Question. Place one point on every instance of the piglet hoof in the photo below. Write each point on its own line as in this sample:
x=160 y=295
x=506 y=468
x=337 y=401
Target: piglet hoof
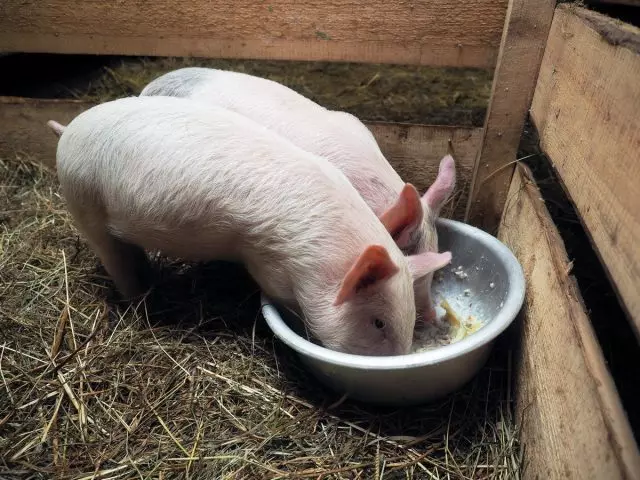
x=142 y=281
x=137 y=287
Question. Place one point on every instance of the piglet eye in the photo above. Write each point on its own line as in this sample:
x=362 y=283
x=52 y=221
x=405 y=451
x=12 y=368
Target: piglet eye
x=379 y=323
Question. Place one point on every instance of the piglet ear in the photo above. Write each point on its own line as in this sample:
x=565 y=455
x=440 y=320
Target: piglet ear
x=403 y=217
x=426 y=263
x=442 y=188
x=373 y=265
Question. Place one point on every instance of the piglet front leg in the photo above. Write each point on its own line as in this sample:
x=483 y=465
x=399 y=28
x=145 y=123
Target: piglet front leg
x=127 y=264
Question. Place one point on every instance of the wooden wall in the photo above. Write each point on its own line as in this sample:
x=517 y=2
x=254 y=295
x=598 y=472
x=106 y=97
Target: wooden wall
x=414 y=150
x=572 y=423
x=587 y=110
x=431 y=32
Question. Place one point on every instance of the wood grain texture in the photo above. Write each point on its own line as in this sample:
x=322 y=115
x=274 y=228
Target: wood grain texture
x=573 y=425
x=414 y=150
x=587 y=111
x=526 y=27
x=23 y=123
x=428 y=32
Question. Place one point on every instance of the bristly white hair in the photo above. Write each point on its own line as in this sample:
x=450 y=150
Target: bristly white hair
x=338 y=137
x=205 y=183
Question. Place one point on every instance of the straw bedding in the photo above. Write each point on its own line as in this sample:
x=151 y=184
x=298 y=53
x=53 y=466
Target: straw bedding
x=189 y=382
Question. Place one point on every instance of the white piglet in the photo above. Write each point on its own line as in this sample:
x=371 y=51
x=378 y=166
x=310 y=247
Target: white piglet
x=341 y=139
x=205 y=183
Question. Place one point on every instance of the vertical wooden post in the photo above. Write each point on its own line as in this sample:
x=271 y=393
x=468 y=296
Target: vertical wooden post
x=524 y=37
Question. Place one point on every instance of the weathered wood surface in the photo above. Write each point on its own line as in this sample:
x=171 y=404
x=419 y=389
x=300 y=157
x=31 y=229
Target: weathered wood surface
x=526 y=27
x=431 y=32
x=414 y=150
x=587 y=111
x=23 y=123
x=573 y=425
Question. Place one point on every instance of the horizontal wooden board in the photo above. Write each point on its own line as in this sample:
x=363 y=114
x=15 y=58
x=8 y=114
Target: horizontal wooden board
x=431 y=32
x=414 y=150
x=573 y=425
x=586 y=108
x=23 y=122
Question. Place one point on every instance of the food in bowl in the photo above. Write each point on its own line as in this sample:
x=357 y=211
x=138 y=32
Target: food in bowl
x=449 y=326
x=446 y=329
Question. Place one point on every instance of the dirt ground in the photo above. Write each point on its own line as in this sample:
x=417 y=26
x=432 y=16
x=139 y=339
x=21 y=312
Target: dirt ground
x=369 y=91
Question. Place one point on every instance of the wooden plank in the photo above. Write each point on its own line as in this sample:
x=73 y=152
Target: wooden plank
x=573 y=424
x=23 y=122
x=526 y=27
x=586 y=108
x=414 y=150
x=431 y=32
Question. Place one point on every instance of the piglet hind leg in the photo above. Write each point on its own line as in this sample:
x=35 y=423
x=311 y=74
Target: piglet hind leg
x=127 y=264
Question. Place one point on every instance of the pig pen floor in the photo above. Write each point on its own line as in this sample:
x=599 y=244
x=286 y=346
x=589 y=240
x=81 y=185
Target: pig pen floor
x=190 y=383
x=392 y=93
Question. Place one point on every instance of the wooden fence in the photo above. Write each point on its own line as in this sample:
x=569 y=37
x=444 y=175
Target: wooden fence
x=578 y=72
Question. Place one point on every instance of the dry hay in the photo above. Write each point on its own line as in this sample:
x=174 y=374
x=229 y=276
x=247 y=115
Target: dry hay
x=375 y=92
x=190 y=383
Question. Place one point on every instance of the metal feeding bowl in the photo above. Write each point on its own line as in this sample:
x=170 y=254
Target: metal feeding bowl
x=484 y=280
